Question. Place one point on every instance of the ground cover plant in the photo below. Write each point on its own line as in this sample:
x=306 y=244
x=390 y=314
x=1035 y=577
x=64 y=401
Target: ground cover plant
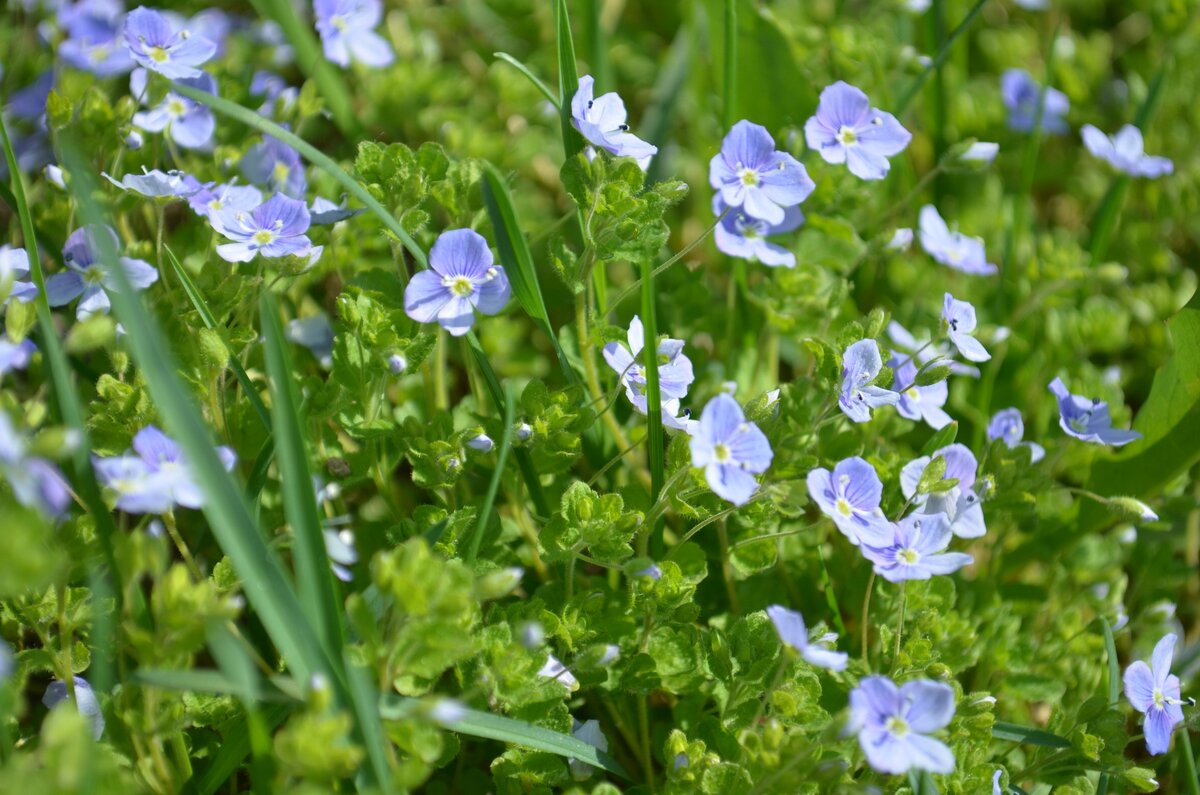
x=722 y=396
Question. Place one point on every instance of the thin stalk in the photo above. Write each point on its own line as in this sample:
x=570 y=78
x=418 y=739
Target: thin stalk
x=1189 y=762
x=644 y=730
x=727 y=568
x=911 y=92
x=866 y=614
x=729 y=107
x=900 y=622
x=631 y=289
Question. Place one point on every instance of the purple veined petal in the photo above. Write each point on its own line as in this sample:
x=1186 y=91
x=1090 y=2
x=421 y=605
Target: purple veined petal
x=747 y=145
x=930 y=705
x=1117 y=437
x=825 y=658
x=876 y=396
x=862 y=361
x=771 y=255
x=757 y=204
x=876 y=695
x=15 y=355
x=461 y=252
x=883 y=134
x=336 y=49
x=1160 y=659
x=155 y=447
x=236 y=252
x=856 y=410
x=492 y=294
x=960 y=464
x=926 y=753
x=194 y=129
x=824 y=141
x=842 y=105
x=283 y=215
x=1139 y=686
x=969 y=522
x=786 y=182
x=618 y=358
x=371 y=49
x=582 y=99
x=934 y=532
x=457 y=316
x=885 y=752
x=721 y=418
x=790 y=626
x=1157 y=728
x=63 y=288
x=1059 y=389
x=820 y=490
x=425 y=296
x=943 y=563
x=606 y=115
x=732 y=244
x=910 y=476
x=154 y=120
x=749 y=447
x=287 y=246
x=862 y=486
x=53 y=494
x=730 y=482
x=141 y=274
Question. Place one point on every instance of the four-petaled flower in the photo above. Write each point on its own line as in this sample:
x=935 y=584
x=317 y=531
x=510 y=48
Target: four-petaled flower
x=918 y=402
x=675 y=374
x=850 y=495
x=846 y=129
x=189 y=123
x=602 y=121
x=959 y=317
x=792 y=631
x=951 y=247
x=1125 y=151
x=861 y=363
x=155 y=476
x=209 y=198
x=85 y=701
x=892 y=724
x=347 y=29
x=915 y=551
x=36 y=483
x=276 y=165
x=460 y=280
x=155 y=44
x=753 y=177
x=1008 y=427
x=740 y=235
x=1154 y=691
x=730 y=449
x=87 y=278
x=1020 y=93
x=275 y=228
x=14 y=275
x=926 y=351
x=1088 y=420
x=961 y=505
x=94 y=42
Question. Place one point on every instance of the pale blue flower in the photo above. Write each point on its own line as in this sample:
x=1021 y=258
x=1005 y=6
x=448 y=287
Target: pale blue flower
x=675 y=374
x=189 y=123
x=85 y=701
x=275 y=228
x=1088 y=420
x=861 y=365
x=208 y=198
x=165 y=48
x=742 y=236
x=87 y=279
x=461 y=279
x=792 y=631
x=925 y=351
x=1020 y=92
x=850 y=496
x=951 y=247
x=916 y=549
x=276 y=165
x=602 y=121
x=1125 y=151
x=35 y=482
x=961 y=505
x=347 y=29
x=1154 y=691
x=95 y=44
x=14 y=275
x=753 y=177
x=155 y=184
x=15 y=355
x=730 y=450
x=314 y=332
x=893 y=724
x=1008 y=427
x=918 y=402
x=959 y=317
x=589 y=732
x=846 y=129
x=155 y=476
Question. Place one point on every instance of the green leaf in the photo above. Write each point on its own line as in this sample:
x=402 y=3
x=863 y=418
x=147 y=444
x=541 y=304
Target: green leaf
x=932 y=476
x=1002 y=730
x=942 y=438
x=921 y=783
x=568 y=78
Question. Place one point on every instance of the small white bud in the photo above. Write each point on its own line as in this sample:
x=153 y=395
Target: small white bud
x=482 y=442
x=397 y=364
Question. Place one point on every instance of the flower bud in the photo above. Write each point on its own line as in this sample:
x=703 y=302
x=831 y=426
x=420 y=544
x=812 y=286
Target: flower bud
x=397 y=364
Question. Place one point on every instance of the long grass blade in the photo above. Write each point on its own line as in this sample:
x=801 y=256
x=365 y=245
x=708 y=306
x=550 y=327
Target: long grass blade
x=729 y=107
x=1114 y=686
x=1002 y=730
x=538 y=83
x=655 y=437
x=568 y=78
x=518 y=261
x=236 y=745
x=944 y=52
x=489 y=498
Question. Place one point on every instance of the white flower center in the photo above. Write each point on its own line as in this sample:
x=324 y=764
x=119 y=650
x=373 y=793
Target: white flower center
x=912 y=393
x=1160 y=698
x=158 y=54
x=93 y=275
x=263 y=236
x=748 y=177
x=338 y=21
x=844 y=507
x=908 y=557
x=460 y=286
x=846 y=136
x=722 y=453
x=175 y=107
x=896 y=726
x=1079 y=424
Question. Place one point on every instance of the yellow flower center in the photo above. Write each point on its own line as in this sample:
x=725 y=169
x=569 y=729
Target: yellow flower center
x=897 y=726
x=338 y=21
x=908 y=556
x=912 y=393
x=844 y=508
x=722 y=453
x=281 y=172
x=158 y=54
x=460 y=286
x=175 y=107
x=847 y=136
x=748 y=176
x=263 y=237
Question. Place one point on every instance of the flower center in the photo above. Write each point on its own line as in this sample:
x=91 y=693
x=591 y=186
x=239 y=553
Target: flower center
x=1160 y=698
x=175 y=107
x=1079 y=424
x=843 y=507
x=722 y=453
x=912 y=393
x=280 y=172
x=908 y=557
x=460 y=286
x=158 y=54
x=93 y=276
x=338 y=21
x=846 y=136
x=263 y=236
x=748 y=177
x=214 y=204
x=896 y=726
x=98 y=53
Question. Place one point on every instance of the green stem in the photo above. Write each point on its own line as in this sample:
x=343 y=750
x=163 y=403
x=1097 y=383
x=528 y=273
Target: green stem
x=727 y=568
x=939 y=59
x=866 y=614
x=729 y=107
x=900 y=623
x=1189 y=762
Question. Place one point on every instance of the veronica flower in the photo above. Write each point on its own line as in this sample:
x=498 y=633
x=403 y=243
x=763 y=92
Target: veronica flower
x=918 y=402
x=981 y=153
x=901 y=239
x=89 y=280
x=959 y=317
x=85 y=701
x=589 y=732
x=925 y=351
x=209 y=198
x=740 y=235
x=6 y=661
x=846 y=129
x=275 y=228
x=460 y=280
x=675 y=374
x=272 y=87
x=347 y=30
x=1088 y=420
x=14 y=275
x=315 y=333
x=15 y=355
x=850 y=496
x=892 y=724
x=276 y=165
x=861 y=364
x=95 y=44
x=915 y=551
x=35 y=482
x=1154 y=691
x=189 y=123
x=1008 y=427
x=1020 y=92
x=214 y=25
x=155 y=184
x=339 y=545
x=1125 y=151
x=951 y=247
x=160 y=47
x=730 y=449
x=555 y=670
x=790 y=626
x=961 y=505
x=154 y=477
x=601 y=120
x=753 y=177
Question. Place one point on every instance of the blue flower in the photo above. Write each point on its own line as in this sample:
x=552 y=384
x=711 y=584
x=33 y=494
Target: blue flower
x=15 y=355
x=730 y=449
x=275 y=228
x=589 y=732
x=951 y=247
x=189 y=123
x=925 y=351
x=36 y=483
x=272 y=88
x=892 y=724
x=157 y=45
x=316 y=334
x=751 y=176
x=85 y=701
x=980 y=153
x=87 y=279
x=208 y=198
x=1154 y=691
x=790 y=626
x=740 y=235
x=918 y=402
x=155 y=476
x=861 y=363
x=1020 y=91
x=601 y=120
x=276 y=165
x=14 y=275
x=961 y=505
x=959 y=317
x=915 y=551
x=1088 y=420
x=1125 y=151
x=460 y=280
x=155 y=184
x=95 y=43
x=347 y=29
x=846 y=129
x=675 y=374
x=850 y=495
x=1008 y=427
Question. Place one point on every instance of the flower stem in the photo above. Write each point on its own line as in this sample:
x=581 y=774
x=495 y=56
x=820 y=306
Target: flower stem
x=1189 y=762
x=900 y=623
x=866 y=613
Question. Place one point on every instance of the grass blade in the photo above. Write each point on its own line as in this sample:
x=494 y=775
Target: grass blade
x=1114 y=686
x=538 y=83
x=314 y=578
x=915 y=86
x=311 y=60
x=518 y=261
x=72 y=414
x=1002 y=730
x=507 y=730
x=655 y=437
x=312 y=155
x=235 y=746
x=729 y=107
x=489 y=499
x=568 y=78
